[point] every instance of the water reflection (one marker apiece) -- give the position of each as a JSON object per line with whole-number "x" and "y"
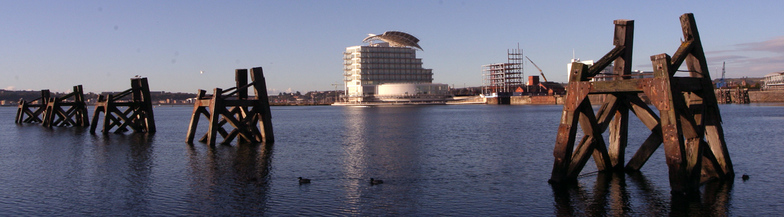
{"x": 714, "y": 201}
{"x": 446, "y": 161}
{"x": 224, "y": 178}
{"x": 381, "y": 143}
{"x": 133, "y": 155}
{"x": 139, "y": 169}
{"x": 610, "y": 196}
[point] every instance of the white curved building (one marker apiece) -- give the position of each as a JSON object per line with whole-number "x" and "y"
{"x": 412, "y": 92}
{"x": 395, "y": 38}
{"x": 369, "y": 70}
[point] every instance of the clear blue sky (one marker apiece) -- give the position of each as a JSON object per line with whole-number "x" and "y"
{"x": 101, "y": 44}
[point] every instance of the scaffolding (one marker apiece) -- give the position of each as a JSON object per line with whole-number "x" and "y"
{"x": 501, "y": 79}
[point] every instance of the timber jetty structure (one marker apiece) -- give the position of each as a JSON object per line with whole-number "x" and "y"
{"x": 689, "y": 124}
{"x": 68, "y": 110}
{"x": 131, "y": 108}
{"x": 248, "y": 118}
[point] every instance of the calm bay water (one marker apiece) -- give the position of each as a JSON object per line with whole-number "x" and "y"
{"x": 463, "y": 160}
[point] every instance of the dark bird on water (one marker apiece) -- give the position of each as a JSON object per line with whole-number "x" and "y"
{"x": 376, "y": 181}
{"x": 744, "y": 177}
{"x": 303, "y": 181}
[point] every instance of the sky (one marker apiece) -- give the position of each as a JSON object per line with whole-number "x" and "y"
{"x": 183, "y": 46}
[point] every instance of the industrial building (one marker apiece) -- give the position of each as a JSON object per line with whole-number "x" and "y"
{"x": 502, "y": 79}
{"x": 502, "y": 83}
{"x": 389, "y": 71}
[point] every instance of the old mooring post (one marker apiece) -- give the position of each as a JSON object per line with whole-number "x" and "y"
{"x": 75, "y": 115}
{"x": 689, "y": 127}
{"x": 33, "y": 109}
{"x": 729, "y": 96}
{"x": 137, "y": 109}
{"x": 234, "y": 107}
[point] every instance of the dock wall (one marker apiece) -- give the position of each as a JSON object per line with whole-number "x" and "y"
{"x": 766, "y": 96}
{"x": 536, "y": 100}
{"x": 754, "y": 97}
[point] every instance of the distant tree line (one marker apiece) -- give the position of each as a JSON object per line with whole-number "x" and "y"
{"x": 12, "y": 97}
{"x": 466, "y": 91}
{"x": 750, "y": 83}
{"x": 309, "y": 98}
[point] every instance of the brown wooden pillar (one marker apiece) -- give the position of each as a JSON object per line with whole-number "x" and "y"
{"x": 212, "y": 129}
{"x": 144, "y": 111}
{"x": 576, "y": 95}
{"x": 619, "y": 131}
{"x": 683, "y": 154}
{"x": 199, "y": 109}
{"x": 82, "y": 118}
{"x": 262, "y": 103}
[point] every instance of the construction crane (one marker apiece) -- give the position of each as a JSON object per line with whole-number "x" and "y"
{"x": 537, "y": 67}
{"x": 721, "y": 82}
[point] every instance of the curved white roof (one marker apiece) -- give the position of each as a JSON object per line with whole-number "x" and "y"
{"x": 395, "y": 38}
{"x": 774, "y": 74}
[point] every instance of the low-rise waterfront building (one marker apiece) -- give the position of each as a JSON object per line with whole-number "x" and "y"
{"x": 774, "y": 81}
{"x": 406, "y": 92}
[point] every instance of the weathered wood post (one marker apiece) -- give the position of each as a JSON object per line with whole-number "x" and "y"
{"x": 137, "y": 113}
{"x": 683, "y": 154}
{"x": 241, "y": 78}
{"x": 233, "y": 107}
{"x": 33, "y": 109}
{"x": 261, "y": 105}
{"x": 577, "y": 107}
{"x": 75, "y": 115}
{"x": 742, "y": 96}
{"x": 723, "y": 96}
{"x": 144, "y": 116}
{"x": 689, "y": 127}
{"x": 622, "y": 69}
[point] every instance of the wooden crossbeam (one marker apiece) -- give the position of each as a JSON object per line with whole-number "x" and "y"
{"x": 654, "y": 140}
{"x": 621, "y": 55}
{"x": 606, "y": 60}
{"x": 591, "y": 144}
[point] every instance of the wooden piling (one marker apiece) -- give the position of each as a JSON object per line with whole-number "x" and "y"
{"x": 723, "y": 96}
{"x": 68, "y": 110}
{"x": 32, "y": 111}
{"x": 248, "y": 119}
{"x": 130, "y": 108}
{"x": 689, "y": 126}
{"x": 732, "y": 96}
